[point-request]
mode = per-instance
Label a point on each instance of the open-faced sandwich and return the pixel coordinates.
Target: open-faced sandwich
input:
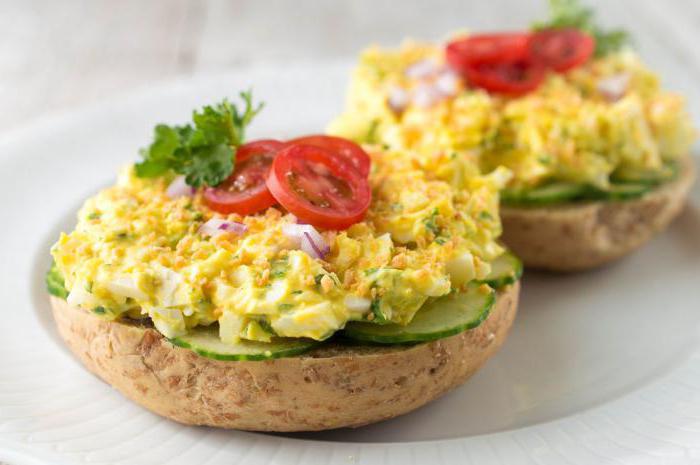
(598, 151)
(284, 286)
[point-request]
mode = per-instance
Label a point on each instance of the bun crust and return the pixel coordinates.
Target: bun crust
(330, 387)
(578, 236)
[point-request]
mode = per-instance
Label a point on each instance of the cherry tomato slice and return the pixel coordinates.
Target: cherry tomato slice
(318, 187)
(343, 147)
(244, 191)
(487, 48)
(509, 78)
(561, 49)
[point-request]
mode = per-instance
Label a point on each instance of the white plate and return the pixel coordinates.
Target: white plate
(601, 367)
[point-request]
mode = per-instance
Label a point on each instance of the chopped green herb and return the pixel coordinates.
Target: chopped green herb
(484, 215)
(298, 291)
(283, 307)
(571, 14)
(431, 223)
(441, 240)
(371, 137)
(265, 325)
(93, 216)
(545, 159)
(99, 310)
(318, 278)
(376, 308)
(370, 271)
(203, 153)
(278, 268)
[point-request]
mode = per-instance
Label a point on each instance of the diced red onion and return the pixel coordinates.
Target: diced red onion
(179, 188)
(312, 248)
(614, 87)
(306, 238)
(447, 83)
(398, 99)
(216, 227)
(426, 95)
(421, 69)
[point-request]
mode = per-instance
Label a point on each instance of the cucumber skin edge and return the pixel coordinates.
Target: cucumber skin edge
(239, 358)
(503, 281)
(409, 338)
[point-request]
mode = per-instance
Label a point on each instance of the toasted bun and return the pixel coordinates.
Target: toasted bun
(571, 237)
(329, 387)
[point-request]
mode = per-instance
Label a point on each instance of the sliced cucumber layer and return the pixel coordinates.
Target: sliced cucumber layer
(55, 283)
(625, 184)
(649, 177)
(622, 191)
(565, 193)
(205, 342)
(559, 192)
(505, 270)
(440, 318)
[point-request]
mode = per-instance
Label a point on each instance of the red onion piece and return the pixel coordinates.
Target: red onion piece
(421, 69)
(447, 83)
(614, 87)
(398, 99)
(426, 95)
(179, 188)
(216, 227)
(306, 238)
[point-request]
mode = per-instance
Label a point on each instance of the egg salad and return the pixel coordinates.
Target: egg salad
(138, 251)
(604, 119)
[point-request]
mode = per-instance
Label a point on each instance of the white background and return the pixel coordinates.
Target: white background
(57, 54)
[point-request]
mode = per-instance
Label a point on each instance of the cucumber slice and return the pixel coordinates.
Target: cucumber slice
(649, 177)
(505, 270)
(440, 318)
(55, 283)
(205, 342)
(624, 191)
(558, 192)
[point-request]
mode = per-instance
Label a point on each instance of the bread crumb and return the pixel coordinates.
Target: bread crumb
(326, 283)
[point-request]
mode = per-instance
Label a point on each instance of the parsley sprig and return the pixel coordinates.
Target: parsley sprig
(204, 152)
(570, 13)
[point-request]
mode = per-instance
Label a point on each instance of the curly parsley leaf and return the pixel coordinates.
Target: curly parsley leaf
(204, 152)
(571, 13)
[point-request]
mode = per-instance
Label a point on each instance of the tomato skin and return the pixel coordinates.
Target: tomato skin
(561, 49)
(345, 148)
(253, 161)
(302, 175)
(487, 48)
(514, 64)
(498, 63)
(511, 78)
(258, 147)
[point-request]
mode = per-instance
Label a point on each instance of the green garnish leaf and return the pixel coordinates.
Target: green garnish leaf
(204, 152)
(572, 14)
